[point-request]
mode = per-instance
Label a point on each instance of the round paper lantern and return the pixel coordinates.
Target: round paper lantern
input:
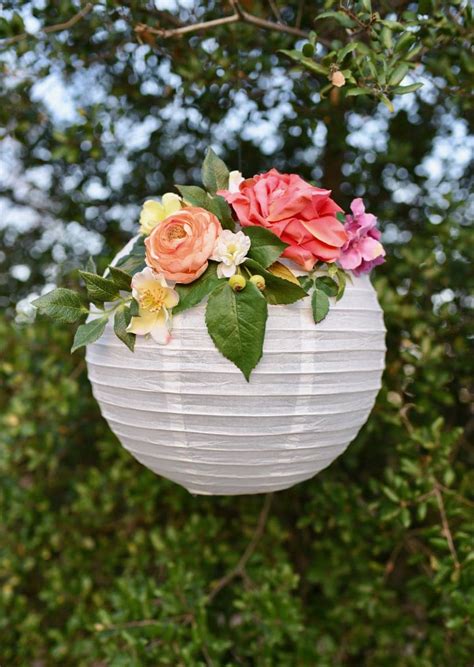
(188, 414)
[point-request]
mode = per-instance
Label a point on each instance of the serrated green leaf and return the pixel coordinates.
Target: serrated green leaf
(192, 294)
(223, 212)
(265, 246)
(61, 304)
(121, 278)
(98, 288)
(132, 264)
(306, 282)
(121, 321)
(196, 196)
(90, 266)
(134, 261)
(89, 332)
(282, 271)
(215, 174)
(277, 290)
(320, 305)
(327, 285)
(236, 323)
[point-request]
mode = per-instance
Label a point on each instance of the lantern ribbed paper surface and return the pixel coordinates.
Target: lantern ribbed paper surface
(188, 414)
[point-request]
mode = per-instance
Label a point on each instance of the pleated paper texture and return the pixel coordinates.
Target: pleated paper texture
(188, 414)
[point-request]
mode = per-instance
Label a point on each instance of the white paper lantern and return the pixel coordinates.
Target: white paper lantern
(188, 414)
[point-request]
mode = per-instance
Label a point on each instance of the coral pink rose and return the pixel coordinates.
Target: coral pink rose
(180, 246)
(299, 213)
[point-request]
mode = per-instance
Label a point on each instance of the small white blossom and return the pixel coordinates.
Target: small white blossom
(230, 250)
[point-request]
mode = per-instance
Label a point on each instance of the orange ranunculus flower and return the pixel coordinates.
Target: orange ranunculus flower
(179, 247)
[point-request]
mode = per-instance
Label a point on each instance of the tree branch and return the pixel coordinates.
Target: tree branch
(446, 529)
(239, 16)
(239, 569)
(57, 27)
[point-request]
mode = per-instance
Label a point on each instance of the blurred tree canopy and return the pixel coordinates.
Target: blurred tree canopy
(371, 562)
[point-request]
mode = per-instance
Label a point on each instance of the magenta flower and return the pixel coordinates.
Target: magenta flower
(363, 249)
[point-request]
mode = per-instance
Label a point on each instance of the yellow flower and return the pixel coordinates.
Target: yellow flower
(154, 212)
(155, 300)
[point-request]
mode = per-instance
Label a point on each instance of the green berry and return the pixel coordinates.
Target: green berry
(237, 283)
(258, 281)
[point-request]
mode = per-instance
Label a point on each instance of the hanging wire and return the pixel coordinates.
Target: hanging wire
(239, 90)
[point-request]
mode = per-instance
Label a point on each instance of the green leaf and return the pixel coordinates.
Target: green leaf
(341, 278)
(348, 48)
(405, 42)
(61, 304)
(425, 6)
(320, 305)
(192, 294)
(308, 63)
(353, 92)
(98, 288)
(131, 264)
(196, 196)
(386, 37)
(393, 25)
(327, 285)
(215, 174)
(134, 308)
(282, 271)
(398, 74)
(403, 90)
(122, 279)
(236, 323)
(121, 321)
(265, 246)
(306, 282)
(89, 332)
(135, 260)
(277, 290)
(387, 103)
(341, 18)
(222, 210)
(90, 266)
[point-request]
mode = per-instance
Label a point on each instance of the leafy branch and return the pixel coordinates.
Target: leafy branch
(57, 27)
(239, 15)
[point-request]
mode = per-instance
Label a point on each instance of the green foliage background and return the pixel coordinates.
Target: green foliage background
(101, 562)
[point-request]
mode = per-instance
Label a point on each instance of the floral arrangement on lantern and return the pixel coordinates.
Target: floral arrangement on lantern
(232, 242)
